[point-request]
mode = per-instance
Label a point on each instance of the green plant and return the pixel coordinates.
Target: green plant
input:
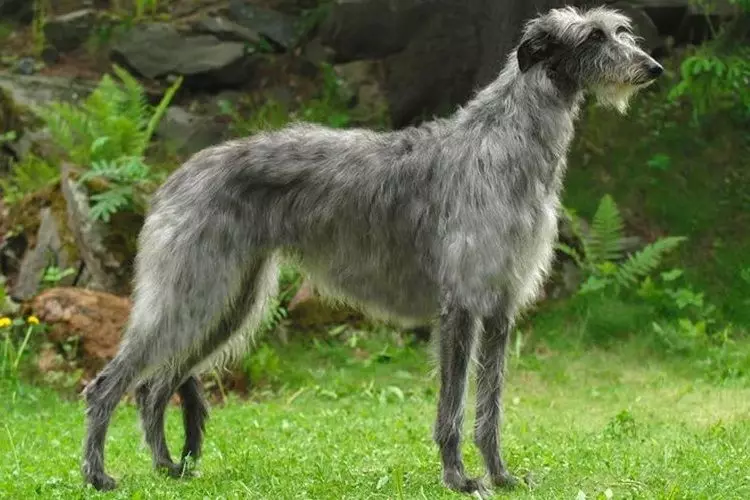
(142, 7)
(116, 120)
(715, 78)
(262, 364)
(28, 176)
(40, 9)
(8, 136)
(13, 351)
(330, 107)
(602, 258)
(715, 82)
(6, 30)
(127, 179)
(678, 301)
(311, 18)
(660, 162)
(54, 275)
(108, 135)
(271, 115)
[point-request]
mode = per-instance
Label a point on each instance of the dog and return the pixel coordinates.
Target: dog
(454, 220)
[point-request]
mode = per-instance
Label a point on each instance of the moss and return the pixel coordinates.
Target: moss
(14, 117)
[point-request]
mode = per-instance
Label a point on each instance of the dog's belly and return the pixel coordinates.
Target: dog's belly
(380, 287)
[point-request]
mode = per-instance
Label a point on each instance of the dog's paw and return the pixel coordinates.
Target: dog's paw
(175, 471)
(457, 481)
(505, 480)
(102, 482)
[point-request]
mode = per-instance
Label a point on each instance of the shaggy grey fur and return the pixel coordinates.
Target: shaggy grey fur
(456, 217)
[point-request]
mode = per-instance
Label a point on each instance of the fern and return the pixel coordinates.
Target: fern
(643, 263)
(110, 202)
(118, 110)
(28, 176)
(602, 251)
(123, 179)
(605, 241)
(161, 109)
(108, 135)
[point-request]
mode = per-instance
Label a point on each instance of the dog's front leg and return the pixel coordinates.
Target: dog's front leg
(490, 373)
(457, 326)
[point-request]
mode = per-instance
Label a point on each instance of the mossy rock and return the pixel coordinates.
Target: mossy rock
(24, 216)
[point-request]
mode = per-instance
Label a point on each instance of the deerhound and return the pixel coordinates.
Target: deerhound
(452, 220)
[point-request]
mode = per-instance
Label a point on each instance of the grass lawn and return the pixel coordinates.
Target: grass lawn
(340, 420)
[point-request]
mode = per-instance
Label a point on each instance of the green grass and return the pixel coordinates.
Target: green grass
(354, 421)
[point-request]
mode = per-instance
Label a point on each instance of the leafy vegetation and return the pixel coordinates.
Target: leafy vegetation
(15, 335)
(143, 7)
(716, 76)
(109, 134)
(330, 107)
(28, 176)
(41, 9)
(602, 257)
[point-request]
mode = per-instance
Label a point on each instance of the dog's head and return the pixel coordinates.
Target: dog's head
(593, 50)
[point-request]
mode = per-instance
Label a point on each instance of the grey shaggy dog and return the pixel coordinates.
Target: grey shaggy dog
(454, 219)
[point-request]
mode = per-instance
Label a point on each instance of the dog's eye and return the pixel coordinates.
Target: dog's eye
(597, 34)
(623, 29)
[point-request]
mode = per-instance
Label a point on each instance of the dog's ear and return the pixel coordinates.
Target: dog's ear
(535, 49)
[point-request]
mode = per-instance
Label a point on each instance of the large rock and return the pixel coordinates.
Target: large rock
(106, 271)
(279, 28)
(685, 21)
(189, 133)
(69, 31)
(158, 50)
(643, 26)
(455, 48)
(47, 250)
(95, 319)
(16, 10)
(224, 29)
(34, 92)
(439, 67)
(370, 29)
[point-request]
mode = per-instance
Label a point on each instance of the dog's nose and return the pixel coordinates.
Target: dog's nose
(655, 70)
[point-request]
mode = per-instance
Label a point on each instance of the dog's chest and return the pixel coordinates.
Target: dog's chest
(533, 250)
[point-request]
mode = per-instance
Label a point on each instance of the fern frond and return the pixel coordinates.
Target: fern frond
(641, 264)
(68, 126)
(604, 243)
(28, 176)
(159, 112)
(135, 103)
(572, 253)
(110, 202)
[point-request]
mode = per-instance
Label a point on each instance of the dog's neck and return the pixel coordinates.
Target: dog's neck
(513, 92)
(530, 104)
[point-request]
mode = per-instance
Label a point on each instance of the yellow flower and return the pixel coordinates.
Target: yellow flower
(5, 322)
(32, 320)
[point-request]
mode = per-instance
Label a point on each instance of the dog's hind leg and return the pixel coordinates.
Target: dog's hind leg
(153, 394)
(194, 416)
(152, 397)
(457, 328)
(102, 396)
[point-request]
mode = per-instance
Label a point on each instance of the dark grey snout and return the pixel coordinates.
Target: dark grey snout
(654, 70)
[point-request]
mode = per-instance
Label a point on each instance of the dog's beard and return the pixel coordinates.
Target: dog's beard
(616, 95)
